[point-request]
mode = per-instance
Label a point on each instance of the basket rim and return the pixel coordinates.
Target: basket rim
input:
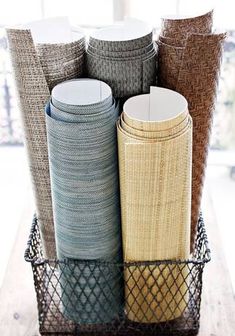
(195, 261)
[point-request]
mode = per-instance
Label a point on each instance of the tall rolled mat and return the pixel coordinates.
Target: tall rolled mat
(192, 69)
(155, 154)
(124, 56)
(169, 64)
(33, 93)
(172, 40)
(37, 68)
(178, 28)
(81, 128)
(197, 81)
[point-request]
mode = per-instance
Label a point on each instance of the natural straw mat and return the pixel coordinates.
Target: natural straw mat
(155, 152)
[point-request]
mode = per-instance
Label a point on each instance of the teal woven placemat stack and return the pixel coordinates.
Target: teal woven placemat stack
(81, 131)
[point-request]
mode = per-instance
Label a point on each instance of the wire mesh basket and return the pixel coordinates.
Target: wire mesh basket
(152, 298)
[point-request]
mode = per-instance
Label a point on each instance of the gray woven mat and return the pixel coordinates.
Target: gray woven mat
(128, 66)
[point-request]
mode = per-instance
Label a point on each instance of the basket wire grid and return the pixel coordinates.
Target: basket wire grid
(181, 316)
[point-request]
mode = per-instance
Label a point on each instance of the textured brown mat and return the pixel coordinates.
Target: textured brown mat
(189, 62)
(169, 63)
(180, 28)
(197, 81)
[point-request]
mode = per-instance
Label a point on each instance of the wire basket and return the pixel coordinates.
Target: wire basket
(157, 297)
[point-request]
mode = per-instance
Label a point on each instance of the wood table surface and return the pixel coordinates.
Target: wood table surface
(18, 309)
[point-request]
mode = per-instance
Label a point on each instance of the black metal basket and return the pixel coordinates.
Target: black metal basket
(158, 297)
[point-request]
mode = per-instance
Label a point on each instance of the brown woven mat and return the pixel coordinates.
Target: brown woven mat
(169, 63)
(189, 62)
(197, 81)
(180, 28)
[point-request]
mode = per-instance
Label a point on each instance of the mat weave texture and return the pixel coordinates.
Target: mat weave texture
(178, 29)
(85, 191)
(62, 61)
(33, 93)
(36, 70)
(129, 67)
(155, 187)
(189, 62)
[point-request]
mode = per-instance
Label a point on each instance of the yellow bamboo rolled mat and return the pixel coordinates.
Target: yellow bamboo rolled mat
(155, 154)
(189, 62)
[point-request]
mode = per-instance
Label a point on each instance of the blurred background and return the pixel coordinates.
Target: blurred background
(15, 190)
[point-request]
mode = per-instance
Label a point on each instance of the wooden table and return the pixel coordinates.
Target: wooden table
(18, 312)
(218, 299)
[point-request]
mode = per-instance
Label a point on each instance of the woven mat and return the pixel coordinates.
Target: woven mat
(189, 62)
(62, 61)
(155, 184)
(128, 66)
(85, 192)
(33, 94)
(180, 28)
(37, 69)
(161, 293)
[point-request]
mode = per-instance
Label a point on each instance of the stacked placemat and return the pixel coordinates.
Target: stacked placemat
(43, 54)
(124, 56)
(155, 153)
(189, 62)
(81, 119)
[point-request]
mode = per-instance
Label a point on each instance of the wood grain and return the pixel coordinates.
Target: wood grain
(218, 300)
(18, 309)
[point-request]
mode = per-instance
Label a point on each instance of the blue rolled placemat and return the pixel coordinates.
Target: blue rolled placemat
(81, 118)
(91, 291)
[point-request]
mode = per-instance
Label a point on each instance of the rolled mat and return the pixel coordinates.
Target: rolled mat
(82, 144)
(155, 153)
(172, 41)
(33, 93)
(60, 48)
(124, 56)
(179, 28)
(192, 68)
(36, 69)
(197, 81)
(62, 61)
